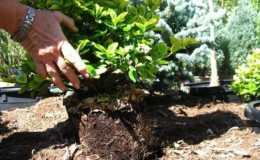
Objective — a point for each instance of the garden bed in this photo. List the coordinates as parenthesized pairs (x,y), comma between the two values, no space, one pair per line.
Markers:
(192,128)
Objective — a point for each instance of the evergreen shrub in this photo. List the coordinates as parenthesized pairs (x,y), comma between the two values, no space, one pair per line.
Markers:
(239,36)
(113,40)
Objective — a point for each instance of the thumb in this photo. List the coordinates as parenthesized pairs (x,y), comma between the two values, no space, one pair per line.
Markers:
(66,21)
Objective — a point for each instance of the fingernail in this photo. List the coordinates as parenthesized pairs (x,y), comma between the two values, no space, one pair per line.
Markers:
(63,88)
(77,86)
(76,29)
(86,75)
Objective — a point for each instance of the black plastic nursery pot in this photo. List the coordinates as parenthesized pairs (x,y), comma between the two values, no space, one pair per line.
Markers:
(252,111)
(10,98)
(203,89)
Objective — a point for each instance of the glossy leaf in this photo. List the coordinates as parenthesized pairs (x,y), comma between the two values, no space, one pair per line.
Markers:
(132,74)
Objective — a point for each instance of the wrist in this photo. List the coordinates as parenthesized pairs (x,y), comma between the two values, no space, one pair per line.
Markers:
(25,26)
(18,19)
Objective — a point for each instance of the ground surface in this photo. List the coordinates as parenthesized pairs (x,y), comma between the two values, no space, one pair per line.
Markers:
(191,128)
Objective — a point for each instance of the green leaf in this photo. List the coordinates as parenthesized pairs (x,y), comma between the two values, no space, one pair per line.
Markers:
(101,55)
(162,62)
(91,12)
(38,78)
(100,71)
(84,51)
(151,22)
(33,84)
(152,68)
(156,4)
(97,10)
(68,3)
(145,73)
(142,19)
(112,47)
(142,10)
(43,87)
(104,14)
(189,41)
(21,78)
(121,16)
(132,74)
(112,13)
(100,47)
(132,10)
(117,71)
(122,51)
(11,79)
(149,58)
(31,65)
(128,27)
(150,3)
(23,89)
(141,26)
(83,44)
(110,4)
(91,70)
(176,44)
(123,4)
(109,23)
(158,29)
(162,48)
(54,7)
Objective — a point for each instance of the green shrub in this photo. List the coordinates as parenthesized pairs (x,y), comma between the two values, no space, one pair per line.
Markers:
(190,19)
(239,35)
(247,77)
(113,40)
(10,52)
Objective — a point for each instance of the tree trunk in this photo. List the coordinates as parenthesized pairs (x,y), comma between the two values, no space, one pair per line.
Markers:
(214,79)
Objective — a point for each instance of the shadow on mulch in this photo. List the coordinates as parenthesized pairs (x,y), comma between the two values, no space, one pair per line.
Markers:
(169,127)
(22,145)
(3,128)
(140,133)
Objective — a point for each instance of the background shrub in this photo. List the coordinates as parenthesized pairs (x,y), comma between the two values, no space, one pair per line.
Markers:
(247,77)
(239,35)
(11,54)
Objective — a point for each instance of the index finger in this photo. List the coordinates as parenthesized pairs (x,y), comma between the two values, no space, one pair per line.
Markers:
(73,57)
(66,21)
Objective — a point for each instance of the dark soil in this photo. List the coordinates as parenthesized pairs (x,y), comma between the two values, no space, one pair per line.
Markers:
(160,127)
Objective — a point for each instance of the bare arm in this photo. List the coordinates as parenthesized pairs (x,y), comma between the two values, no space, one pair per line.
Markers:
(11,15)
(45,41)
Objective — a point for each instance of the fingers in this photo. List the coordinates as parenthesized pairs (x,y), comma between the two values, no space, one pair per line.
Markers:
(66,21)
(49,48)
(41,70)
(73,57)
(50,68)
(55,76)
(68,72)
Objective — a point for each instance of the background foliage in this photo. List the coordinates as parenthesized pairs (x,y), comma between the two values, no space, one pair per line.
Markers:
(235,29)
(11,54)
(188,19)
(238,37)
(247,77)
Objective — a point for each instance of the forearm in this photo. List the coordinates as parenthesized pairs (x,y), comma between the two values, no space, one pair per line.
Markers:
(12,14)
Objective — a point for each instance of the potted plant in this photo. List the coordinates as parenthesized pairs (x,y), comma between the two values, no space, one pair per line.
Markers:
(247,84)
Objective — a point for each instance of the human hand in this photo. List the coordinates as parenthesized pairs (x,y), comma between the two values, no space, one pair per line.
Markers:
(51,50)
